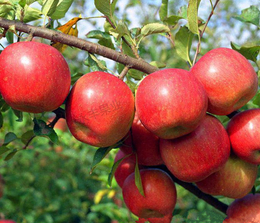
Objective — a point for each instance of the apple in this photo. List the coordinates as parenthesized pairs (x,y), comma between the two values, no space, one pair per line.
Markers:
(228,78)
(100,109)
(243,130)
(195,156)
(34,77)
(235,180)
(125,167)
(61,124)
(171,103)
(144,143)
(165,219)
(159,194)
(6,221)
(244,210)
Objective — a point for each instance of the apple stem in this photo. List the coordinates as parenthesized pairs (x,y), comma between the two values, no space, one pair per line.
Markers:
(197,192)
(124,72)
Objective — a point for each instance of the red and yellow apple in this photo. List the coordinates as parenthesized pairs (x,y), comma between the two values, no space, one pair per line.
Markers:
(171,103)
(228,78)
(197,155)
(235,180)
(144,143)
(159,194)
(100,109)
(34,77)
(244,210)
(244,132)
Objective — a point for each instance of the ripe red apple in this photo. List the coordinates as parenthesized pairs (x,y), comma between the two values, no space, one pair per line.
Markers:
(235,180)
(244,210)
(244,132)
(171,103)
(6,221)
(144,143)
(165,219)
(195,156)
(159,190)
(125,168)
(100,109)
(34,77)
(229,79)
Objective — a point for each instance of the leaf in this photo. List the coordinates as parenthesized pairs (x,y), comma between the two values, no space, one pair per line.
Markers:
(163,10)
(250,15)
(41,129)
(99,156)
(192,16)
(138,179)
(3,149)
(10,155)
(120,30)
(158,64)
(249,52)
(61,9)
(209,216)
(31,14)
(49,7)
(9,137)
(18,114)
(27,136)
(104,7)
(69,28)
(6,9)
(97,34)
(154,28)
(173,20)
(95,64)
(183,40)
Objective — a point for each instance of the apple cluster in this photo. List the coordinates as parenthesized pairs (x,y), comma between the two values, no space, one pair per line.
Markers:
(171,121)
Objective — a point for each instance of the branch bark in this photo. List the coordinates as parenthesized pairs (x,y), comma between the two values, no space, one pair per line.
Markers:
(82,44)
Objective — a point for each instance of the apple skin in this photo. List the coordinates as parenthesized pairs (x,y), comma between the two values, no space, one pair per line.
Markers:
(165,219)
(125,167)
(171,103)
(34,77)
(228,78)
(100,109)
(7,221)
(195,156)
(146,144)
(235,180)
(159,190)
(244,210)
(243,130)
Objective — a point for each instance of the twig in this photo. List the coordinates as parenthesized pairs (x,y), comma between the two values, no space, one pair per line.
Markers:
(94,48)
(124,72)
(203,30)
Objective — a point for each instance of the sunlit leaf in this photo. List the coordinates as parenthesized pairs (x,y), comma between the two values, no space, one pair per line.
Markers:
(49,7)
(173,20)
(105,7)
(249,52)
(192,16)
(183,41)
(153,28)
(61,9)
(250,15)
(163,10)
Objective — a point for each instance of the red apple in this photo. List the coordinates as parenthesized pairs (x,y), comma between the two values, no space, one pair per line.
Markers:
(244,210)
(144,143)
(234,180)
(195,156)
(100,109)
(171,103)
(229,79)
(244,132)
(125,167)
(34,77)
(159,190)
(6,221)
(165,219)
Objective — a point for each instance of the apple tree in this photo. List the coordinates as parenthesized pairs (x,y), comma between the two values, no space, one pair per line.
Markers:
(129,111)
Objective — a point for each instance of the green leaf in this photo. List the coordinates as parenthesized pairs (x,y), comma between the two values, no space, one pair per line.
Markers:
(113,6)
(11,155)
(183,40)
(99,156)
(249,52)
(120,30)
(61,9)
(49,7)
(41,129)
(208,216)
(95,64)
(31,14)
(173,20)
(27,136)
(9,137)
(154,28)
(18,114)
(138,180)
(192,16)
(104,7)
(22,3)
(183,12)
(6,10)
(250,15)
(158,64)
(3,149)
(97,34)
(163,12)
(9,37)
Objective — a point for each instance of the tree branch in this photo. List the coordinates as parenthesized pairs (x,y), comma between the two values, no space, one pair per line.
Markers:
(82,44)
